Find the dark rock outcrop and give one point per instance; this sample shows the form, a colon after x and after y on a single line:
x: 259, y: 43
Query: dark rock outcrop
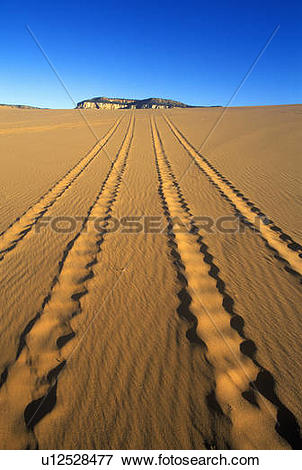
x: 118, y: 103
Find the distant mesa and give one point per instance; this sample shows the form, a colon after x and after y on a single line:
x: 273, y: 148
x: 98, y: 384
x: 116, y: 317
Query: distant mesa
x: 18, y: 106
x: 123, y: 103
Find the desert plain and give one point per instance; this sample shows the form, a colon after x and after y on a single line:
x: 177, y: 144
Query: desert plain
x: 174, y: 322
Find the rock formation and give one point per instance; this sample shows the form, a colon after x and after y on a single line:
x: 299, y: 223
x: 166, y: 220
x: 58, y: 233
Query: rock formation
x: 19, y: 106
x: 122, y: 103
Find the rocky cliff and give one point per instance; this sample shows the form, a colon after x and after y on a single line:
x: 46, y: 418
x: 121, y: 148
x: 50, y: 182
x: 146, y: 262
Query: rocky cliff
x: 122, y: 103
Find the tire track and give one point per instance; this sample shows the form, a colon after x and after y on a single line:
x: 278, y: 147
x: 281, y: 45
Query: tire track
x: 275, y: 238
x: 21, y: 226
x: 29, y: 385
x: 245, y: 392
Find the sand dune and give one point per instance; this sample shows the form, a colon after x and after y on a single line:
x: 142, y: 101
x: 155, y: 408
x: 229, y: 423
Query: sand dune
x: 170, y: 339
x: 273, y: 235
x: 23, y: 224
x: 257, y: 148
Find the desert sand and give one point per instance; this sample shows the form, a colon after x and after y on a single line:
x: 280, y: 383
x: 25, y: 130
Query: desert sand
x: 187, y: 337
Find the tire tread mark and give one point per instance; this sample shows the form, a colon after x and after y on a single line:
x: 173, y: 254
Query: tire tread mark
x: 275, y: 238
x: 245, y: 391
x: 23, y: 224
x: 29, y: 385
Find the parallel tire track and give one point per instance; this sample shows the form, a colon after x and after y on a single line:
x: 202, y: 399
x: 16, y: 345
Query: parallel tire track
x: 21, y: 226
x: 283, y: 244
x: 29, y: 388
x: 244, y: 390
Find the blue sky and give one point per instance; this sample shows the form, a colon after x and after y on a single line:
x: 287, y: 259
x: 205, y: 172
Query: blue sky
x: 193, y: 51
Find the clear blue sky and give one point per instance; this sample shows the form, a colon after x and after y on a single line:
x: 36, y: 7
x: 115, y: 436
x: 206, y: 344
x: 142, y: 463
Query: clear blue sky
x: 193, y: 51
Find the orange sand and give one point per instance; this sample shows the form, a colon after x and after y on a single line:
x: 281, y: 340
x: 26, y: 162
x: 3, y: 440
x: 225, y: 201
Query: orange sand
x: 173, y: 340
